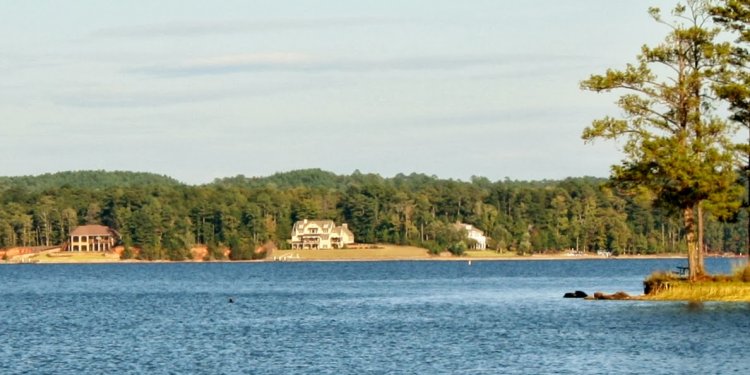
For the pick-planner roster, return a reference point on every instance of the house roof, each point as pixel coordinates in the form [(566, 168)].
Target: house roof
[(468, 228), (325, 225), (92, 230), (341, 230), (327, 228)]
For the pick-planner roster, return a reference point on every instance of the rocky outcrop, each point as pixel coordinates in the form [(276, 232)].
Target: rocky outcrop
[(615, 296), (576, 294)]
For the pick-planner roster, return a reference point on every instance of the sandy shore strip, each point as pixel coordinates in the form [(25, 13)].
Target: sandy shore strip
[(375, 253)]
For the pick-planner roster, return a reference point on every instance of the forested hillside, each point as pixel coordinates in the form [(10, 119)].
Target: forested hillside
[(166, 218), (85, 180)]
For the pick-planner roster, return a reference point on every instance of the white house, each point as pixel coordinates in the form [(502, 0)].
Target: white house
[(320, 234), (475, 234), (92, 238)]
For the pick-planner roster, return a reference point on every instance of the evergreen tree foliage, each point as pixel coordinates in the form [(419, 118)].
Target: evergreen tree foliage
[(676, 149), (733, 85), (86, 180)]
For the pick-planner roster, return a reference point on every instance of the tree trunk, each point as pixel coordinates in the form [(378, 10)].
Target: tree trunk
[(689, 223), (700, 264)]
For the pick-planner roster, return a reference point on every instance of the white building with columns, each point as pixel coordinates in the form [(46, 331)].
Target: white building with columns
[(475, 234)]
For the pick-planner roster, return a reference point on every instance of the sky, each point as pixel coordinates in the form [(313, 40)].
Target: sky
[(199, 90)]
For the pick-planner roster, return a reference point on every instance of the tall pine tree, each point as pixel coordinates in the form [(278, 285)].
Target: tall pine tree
[(674, 146), (734, 85)]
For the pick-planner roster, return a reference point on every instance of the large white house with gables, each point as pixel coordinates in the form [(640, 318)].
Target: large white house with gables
[(320, 234), (475, 234)]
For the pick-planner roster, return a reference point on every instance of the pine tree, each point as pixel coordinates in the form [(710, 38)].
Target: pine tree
[(674, 147), (734, 87)]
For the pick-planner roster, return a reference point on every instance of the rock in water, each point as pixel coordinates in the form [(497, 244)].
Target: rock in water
[(621, 295), (616, 296), (576, 294)]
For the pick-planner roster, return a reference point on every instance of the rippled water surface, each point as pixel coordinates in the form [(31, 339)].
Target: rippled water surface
[(359, 318)]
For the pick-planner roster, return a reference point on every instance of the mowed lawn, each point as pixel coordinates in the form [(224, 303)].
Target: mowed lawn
[(384, 252), (379, 252), (490, 254), (75, 257)]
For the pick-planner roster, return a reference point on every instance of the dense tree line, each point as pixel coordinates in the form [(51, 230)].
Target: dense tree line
[(165, 219), (85, 179)]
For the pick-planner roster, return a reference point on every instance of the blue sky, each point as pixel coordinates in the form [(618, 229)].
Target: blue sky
[(204, 89)]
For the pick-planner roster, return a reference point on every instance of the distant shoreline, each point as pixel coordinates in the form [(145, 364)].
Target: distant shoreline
[(326, 256), (467, 259), (371, 253)]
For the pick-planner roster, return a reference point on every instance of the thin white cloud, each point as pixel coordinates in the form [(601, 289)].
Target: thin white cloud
[(199, 28), (301, 63), (250, 58), (114, 97)]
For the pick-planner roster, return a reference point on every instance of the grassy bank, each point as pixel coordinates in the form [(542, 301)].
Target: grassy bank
[(704, 291), (75, 257), (385, 252), (395, 252), (663, 286), (489, 254), (366, 253)]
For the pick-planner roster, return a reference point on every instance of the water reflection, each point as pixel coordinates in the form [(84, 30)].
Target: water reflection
[(695, 306)]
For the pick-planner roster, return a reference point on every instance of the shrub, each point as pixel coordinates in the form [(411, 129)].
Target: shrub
[(722, 278), (458, 248), (214, 252), (433, 247), (659, 281), (743, 274), (127, 253)]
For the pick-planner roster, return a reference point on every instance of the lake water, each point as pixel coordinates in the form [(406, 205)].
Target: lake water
[(359, 318)]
